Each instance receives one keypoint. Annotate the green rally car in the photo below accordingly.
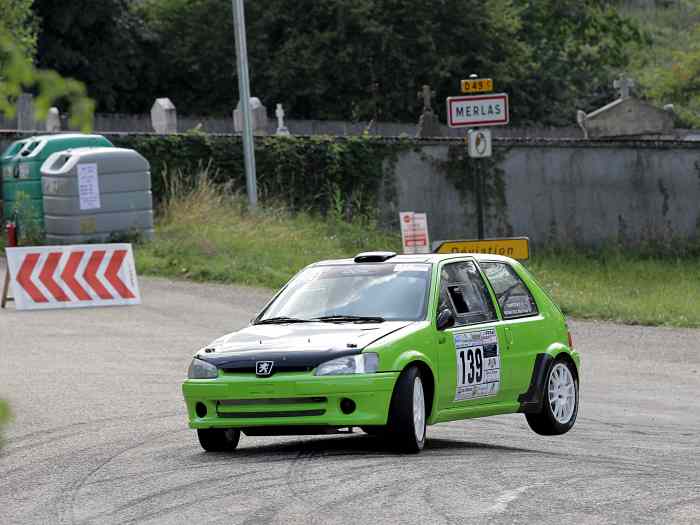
(389, 343)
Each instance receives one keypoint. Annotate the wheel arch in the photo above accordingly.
(566, 356)
(531, 400)
(425, 365)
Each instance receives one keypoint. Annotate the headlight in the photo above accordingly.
(202, 370)
(352, 364)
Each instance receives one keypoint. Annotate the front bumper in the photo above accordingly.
(246, 401)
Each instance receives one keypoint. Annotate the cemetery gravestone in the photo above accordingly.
(625, 116)
(258, 114)
(164, 116)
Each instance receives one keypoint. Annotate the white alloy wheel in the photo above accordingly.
(418, 409)
(561, 390)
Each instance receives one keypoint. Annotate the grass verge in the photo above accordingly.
(624, 288)
(205, 235)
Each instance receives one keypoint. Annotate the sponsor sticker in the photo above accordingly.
(478, 364)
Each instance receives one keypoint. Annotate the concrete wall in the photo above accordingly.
(570, 192)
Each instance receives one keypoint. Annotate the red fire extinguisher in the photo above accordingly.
(11, 228)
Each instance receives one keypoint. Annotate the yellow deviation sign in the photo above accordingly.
(514, 247)
(477, 85)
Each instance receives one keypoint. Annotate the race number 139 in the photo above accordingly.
(471, 365)
(478, 364)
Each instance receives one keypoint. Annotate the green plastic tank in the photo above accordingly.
(21, 173)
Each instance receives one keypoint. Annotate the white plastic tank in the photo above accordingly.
(97, 194)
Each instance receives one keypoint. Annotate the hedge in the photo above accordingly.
(311, 173)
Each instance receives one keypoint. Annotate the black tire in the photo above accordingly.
(219, 439)
(545, 422)
(401, 430)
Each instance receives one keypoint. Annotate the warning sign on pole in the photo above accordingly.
(73, 276)
(414, 232)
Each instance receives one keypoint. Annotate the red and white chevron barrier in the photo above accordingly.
(73, 276)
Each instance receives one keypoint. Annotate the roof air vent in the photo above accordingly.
(367, 257)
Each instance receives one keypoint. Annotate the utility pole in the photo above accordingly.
(244, 91)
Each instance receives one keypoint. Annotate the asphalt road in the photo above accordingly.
(100, 434)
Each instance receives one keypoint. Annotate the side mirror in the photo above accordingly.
(445, 319)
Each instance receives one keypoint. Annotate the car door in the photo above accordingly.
(525, 329)
(470, 361)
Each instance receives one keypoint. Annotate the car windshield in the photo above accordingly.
(390, 292)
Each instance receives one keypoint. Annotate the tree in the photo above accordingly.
(578, 47)
(678, 83)
(668, 70)
(332, 59)
(195, 56)
(18, 20)
(19, 75)
(357, 59)
(104, 45)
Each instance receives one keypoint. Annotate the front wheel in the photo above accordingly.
(559, 403)
(219, 439)
(407, 413)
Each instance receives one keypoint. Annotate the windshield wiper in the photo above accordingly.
(349, 319)
(282, 320)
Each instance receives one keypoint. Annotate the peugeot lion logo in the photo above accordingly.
(263, 368)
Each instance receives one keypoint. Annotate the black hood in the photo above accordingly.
(293, 347)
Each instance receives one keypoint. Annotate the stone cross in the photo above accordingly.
(428, 124)
(25, 112)
(53, 120)
(427, 95)
(164, 116)
(281, 128)
(624, 85)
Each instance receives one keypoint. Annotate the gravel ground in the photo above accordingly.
(100, 433)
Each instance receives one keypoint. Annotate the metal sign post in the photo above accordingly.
(244, 91)
(471, 112)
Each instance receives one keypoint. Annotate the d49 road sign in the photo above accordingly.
(477, 85)
(480, 110)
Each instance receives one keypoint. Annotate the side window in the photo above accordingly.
(513, 296)
(463, 291)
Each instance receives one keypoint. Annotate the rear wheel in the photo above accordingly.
(407, 413)
(559, 403)
(218, 439)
